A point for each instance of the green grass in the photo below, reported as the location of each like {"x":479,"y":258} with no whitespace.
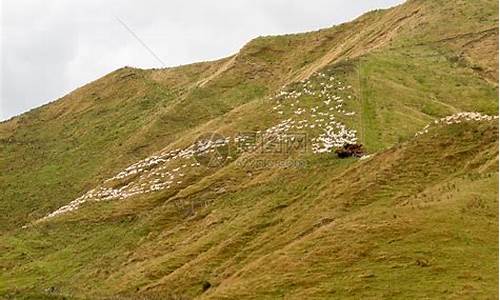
{"x":417,"y":220}
{"x":367,"y":218}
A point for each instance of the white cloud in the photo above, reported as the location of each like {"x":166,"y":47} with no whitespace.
{"x":51,"y":47}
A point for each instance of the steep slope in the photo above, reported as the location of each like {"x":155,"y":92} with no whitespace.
{"x":111,"y":185}
{"x":420,"y":217}
{"x":134,"y":113}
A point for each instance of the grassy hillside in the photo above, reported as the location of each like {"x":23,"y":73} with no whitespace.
{"x":417,"y":219}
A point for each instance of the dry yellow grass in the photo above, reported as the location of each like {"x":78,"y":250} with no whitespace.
{"x":419,"y":219}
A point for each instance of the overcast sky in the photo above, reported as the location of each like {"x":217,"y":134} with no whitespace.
{"x":50,"y":47}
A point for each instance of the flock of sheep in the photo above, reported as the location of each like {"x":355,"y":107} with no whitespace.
{"x":316,"y":104}
{"x":457,"y":119}
{"x":314,"y":107}
{"x":167,"y":169}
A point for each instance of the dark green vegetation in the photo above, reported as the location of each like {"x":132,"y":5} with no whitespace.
{"x":417,"y":220}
